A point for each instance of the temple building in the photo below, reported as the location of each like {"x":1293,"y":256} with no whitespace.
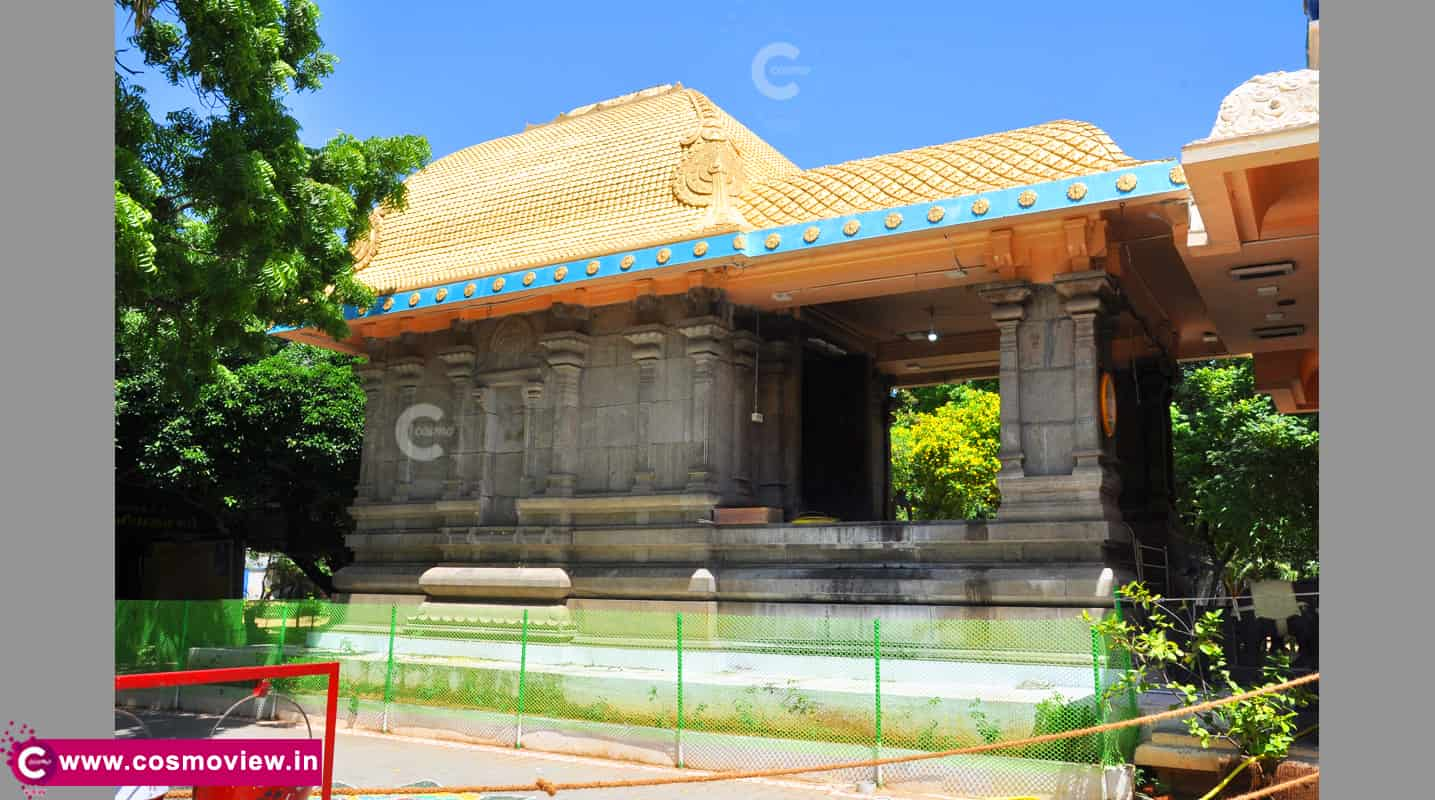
{"x":616,"y":357}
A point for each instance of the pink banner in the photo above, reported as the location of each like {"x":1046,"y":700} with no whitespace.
{"x":167,"y":762}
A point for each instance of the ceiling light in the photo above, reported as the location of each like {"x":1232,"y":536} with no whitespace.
{"x":932,"y":328}
{"x":1275,"y":316}
{"x":1256,"y":271}
{"x":1267,"y":291}
{"x":782,"y":297}
{"x":1210,"y":338}
{"x":1278,"y":331}
{"x":932,"y":336}
{"x":914,"y":366}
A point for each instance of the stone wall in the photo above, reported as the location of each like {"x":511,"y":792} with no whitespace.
{"x":573,"y":414}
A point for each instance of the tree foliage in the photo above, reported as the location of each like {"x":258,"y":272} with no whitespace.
{"x":1182,"y":652}
{"x":225,"y":222}
{"x":1247,"y":476}
{"x":268,"y":452}
{"x":927,"y":399}
{"x":945,"y":441}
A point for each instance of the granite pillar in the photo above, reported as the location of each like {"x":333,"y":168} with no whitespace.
{"x":459,"y":368}
{"x":705,"y":346}
{"x":647,"y":342}
{"x":408,"y":373}
{"x":567,"y":354}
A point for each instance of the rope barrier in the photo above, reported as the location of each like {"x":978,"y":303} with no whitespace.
{"x":551,"y":788}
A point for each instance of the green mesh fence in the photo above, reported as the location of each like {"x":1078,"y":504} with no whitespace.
{"x":704,"y":690}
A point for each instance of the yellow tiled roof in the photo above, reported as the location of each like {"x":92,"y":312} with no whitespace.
{"x":1047,"y":152}
{"x":597,"y":180}
{"x":667,"y":164}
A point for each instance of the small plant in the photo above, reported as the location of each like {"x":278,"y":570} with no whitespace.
{"x":1190,"y":660}
{"x":745,"y":709}
{"x":988,"y":730}
{"x":795,"y":702}
{"x":927,"y":736}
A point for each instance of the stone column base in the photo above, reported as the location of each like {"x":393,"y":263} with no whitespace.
{"x":1086,"y":494}
{"x":686,"y":507}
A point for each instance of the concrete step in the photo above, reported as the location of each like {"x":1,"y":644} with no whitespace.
{"x":1184,"y":752}
{"x":1171,"y":739}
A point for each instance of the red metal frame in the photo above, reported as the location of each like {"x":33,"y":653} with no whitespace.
{"x":329,"y":669}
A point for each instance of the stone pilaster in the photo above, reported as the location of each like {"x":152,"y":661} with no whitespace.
{"x":482,"y":435}
{"x":1086,"y":294}
{"x":567,"y":355}
{"x":705,"y":347}
{"x":408,"y":374}
{"x":371,"y":376}
{"x":878,"y":447}
{"x":459,"y":368}
{"x":789,"y":391}
{"x":768,"y":456}
{"x":744,"y":358}
{"x":531,"y":481}
{"x":1009,"y":309}
{"x":647,"y":344}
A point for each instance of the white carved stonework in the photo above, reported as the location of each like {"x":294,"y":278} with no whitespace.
{"x":1270,"y":102}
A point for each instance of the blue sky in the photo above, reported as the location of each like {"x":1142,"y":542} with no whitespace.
{"x":870,"y":78}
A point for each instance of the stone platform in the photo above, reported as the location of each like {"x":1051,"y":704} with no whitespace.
{"x":1056,"y":565}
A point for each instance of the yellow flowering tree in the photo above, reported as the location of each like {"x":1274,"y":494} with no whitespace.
{"x":944,"y":456}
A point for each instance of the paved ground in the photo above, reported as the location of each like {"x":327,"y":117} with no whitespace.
{"x":367,"y":759}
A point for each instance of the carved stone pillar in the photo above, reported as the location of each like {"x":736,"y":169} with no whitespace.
{"x":531,"y":481}
{"x":647,"y":344}
{"x":791,"y":394}
{"x":408,"y":373}
{"x":1086,"y":294}
{"x":769,"y":454}
{"x":878,"y":450}
{"x":1009,"y":308}
{"x":744,"y":357}
{"x":705,"y":348}
{"x":459,"y":362}
{"x":371,"y":376}
{"x":1056,"y":458}
{"x":567,"y":355}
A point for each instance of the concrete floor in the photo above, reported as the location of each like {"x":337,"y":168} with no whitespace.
{"x":370,"y":759}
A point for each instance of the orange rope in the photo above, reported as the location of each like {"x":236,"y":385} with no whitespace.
{"x":551,"y":788}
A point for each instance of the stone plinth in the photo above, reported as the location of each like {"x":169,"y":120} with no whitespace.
{"x":963,"y":563}
{"x":503,"y":583}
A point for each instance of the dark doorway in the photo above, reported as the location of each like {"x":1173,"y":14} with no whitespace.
{"x":837,"y":476}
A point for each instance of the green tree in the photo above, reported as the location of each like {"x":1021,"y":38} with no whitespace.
{"x":225,"y":223}
{"x":1246,"y":475}
{"x":928,"y":399}
{"x":1183,"y":654}
{"x":945,"y":441}
{"x":268,"y":452}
